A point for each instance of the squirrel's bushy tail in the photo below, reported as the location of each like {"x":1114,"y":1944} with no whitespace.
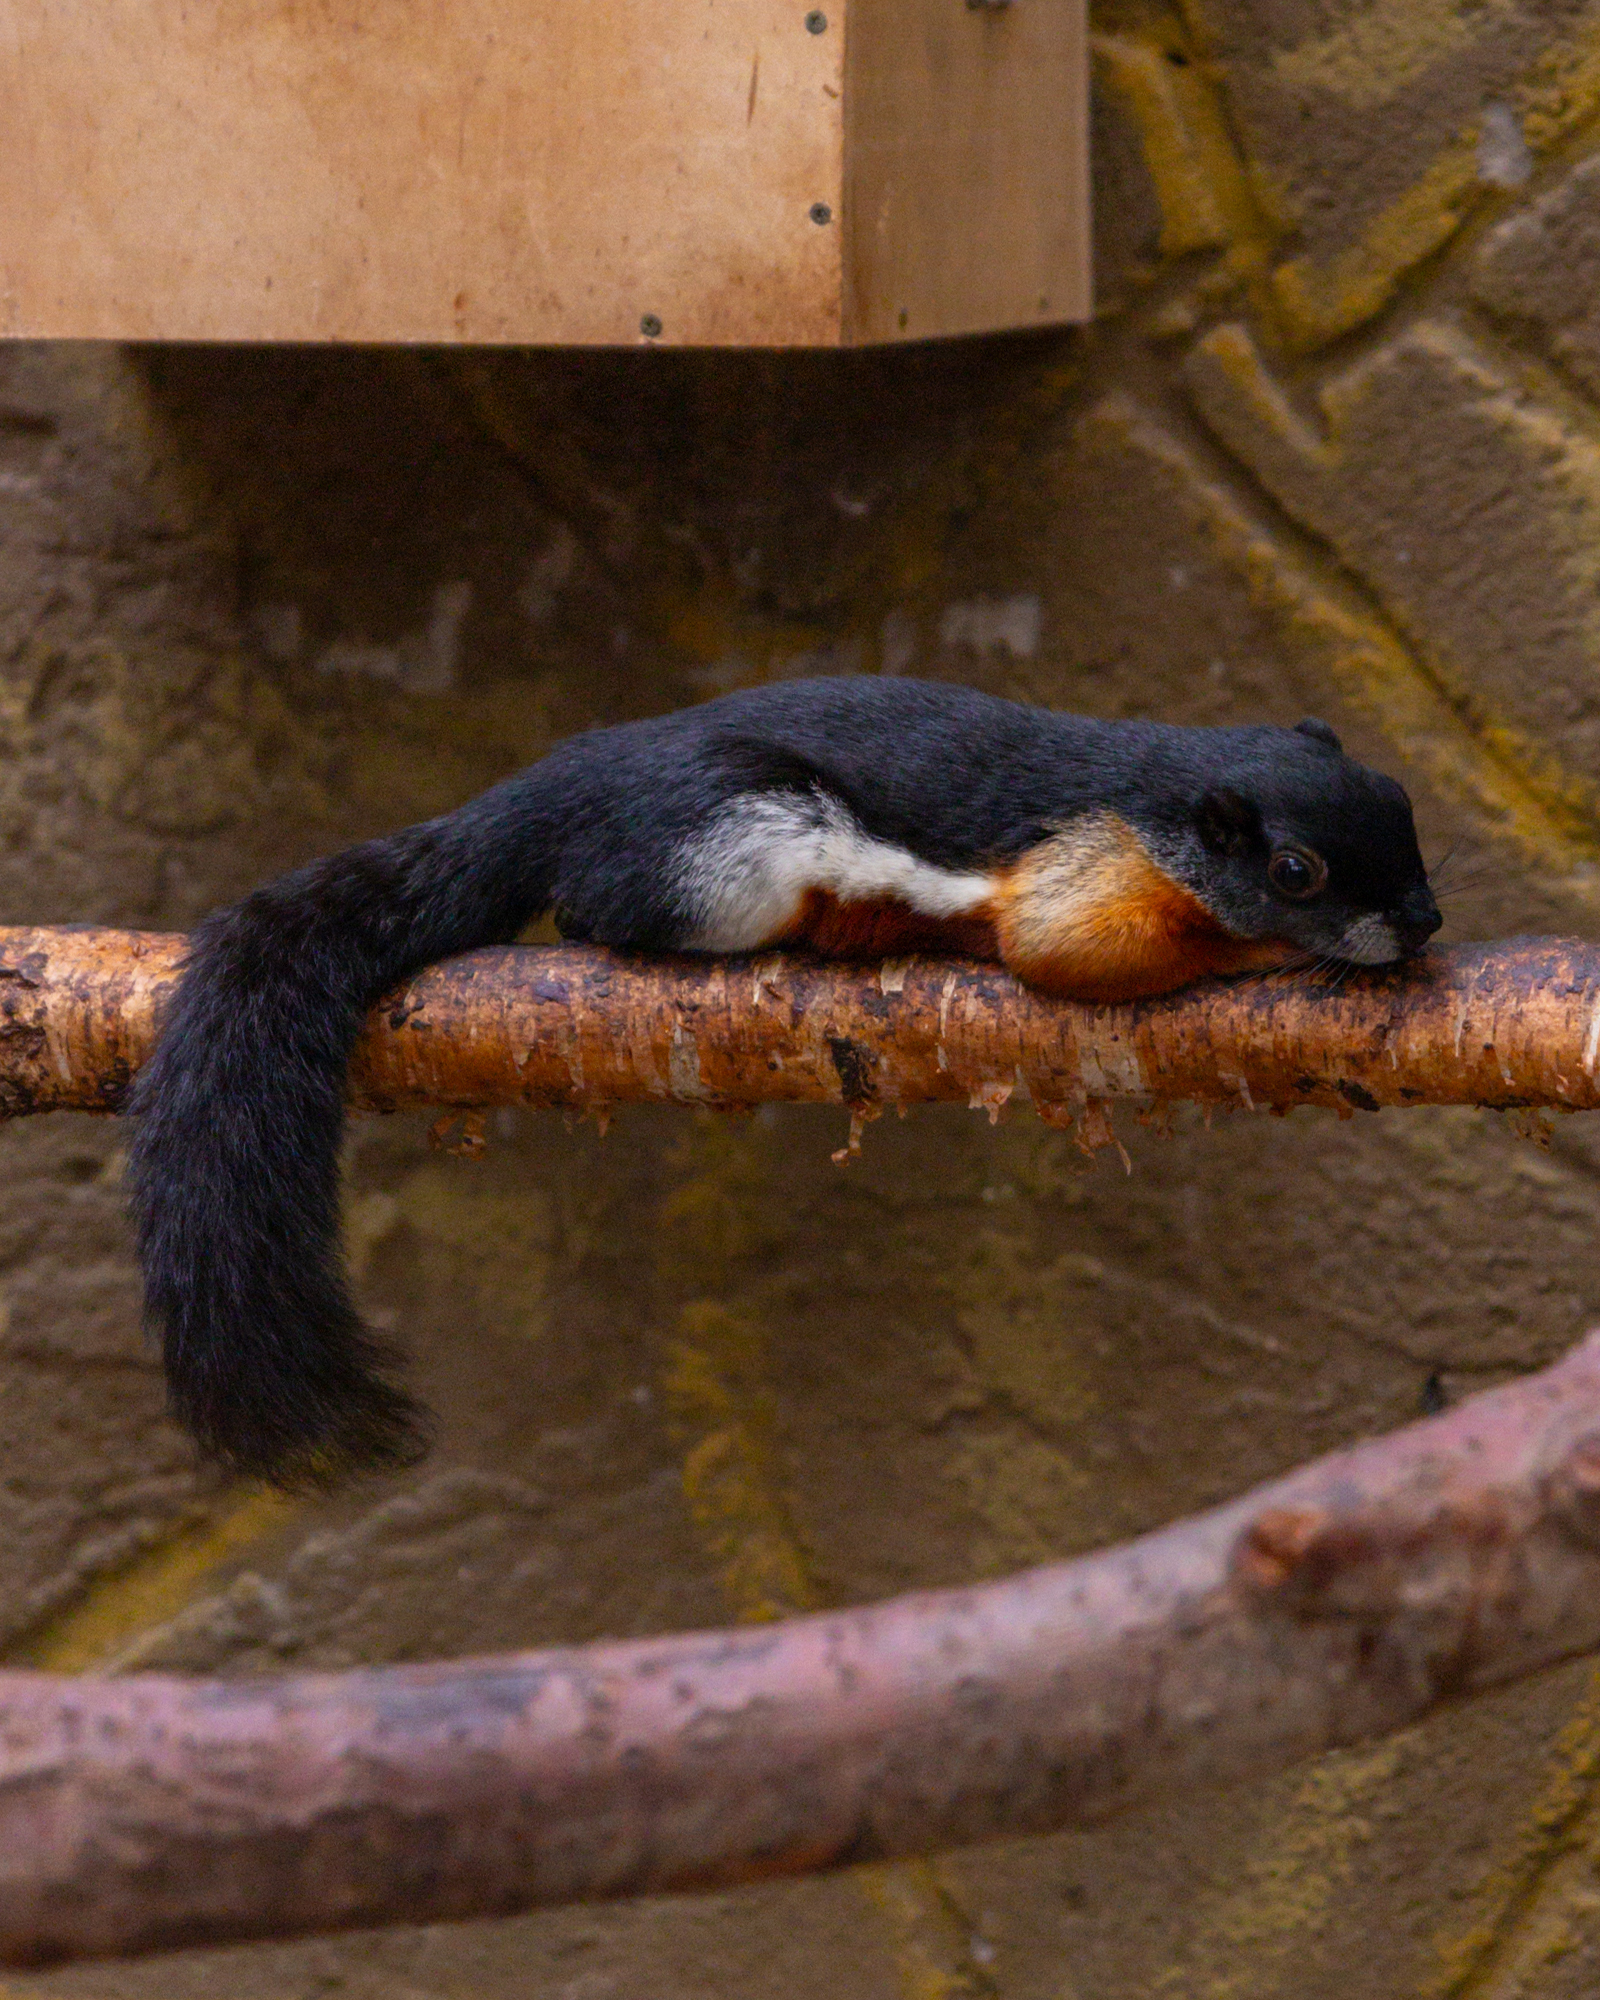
{"x":238,"y":1119}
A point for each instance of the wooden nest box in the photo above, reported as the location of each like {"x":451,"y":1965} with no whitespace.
{"x":688,"y":172}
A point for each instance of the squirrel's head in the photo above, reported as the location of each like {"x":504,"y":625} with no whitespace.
{"x":1291,"y":839}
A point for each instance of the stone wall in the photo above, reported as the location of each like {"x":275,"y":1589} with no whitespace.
{"x":1333,"y":447}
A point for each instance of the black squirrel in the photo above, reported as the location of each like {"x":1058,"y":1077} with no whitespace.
{"x":1099,"y":860}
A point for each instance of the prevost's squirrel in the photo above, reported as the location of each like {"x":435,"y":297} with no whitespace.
{"x":1099,"y":860}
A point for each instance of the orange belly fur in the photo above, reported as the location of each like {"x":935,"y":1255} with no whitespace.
{"x":886,"y":927}
{"x":1089,"y":915}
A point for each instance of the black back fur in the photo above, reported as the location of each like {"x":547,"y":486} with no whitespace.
{"x":239,"y":1113}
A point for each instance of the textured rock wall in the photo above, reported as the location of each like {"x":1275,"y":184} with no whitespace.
{"x":1333,"y":446}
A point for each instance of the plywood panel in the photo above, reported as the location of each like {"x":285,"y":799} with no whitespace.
{"x":966,"y":167}
{"x":486,"y":170}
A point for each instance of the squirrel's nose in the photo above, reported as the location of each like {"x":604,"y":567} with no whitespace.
{"x":1416,"y":917}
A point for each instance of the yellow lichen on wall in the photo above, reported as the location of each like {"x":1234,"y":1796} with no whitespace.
{"x":1529,"y":1909}
{"x":1205,"y":200}
{"x":93,"y":1634}
{"x":1249,"y":1943}
{"x":716,"y":1387}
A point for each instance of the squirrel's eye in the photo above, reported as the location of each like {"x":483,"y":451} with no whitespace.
{"x":1295,"y":873}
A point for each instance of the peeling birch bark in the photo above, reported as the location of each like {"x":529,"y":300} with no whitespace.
{"x":1513,"y":1025}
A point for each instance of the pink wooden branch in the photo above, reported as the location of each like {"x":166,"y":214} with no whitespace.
{"x":1342,"y":1602}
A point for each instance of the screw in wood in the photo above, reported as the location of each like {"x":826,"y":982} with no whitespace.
{"x":816,"y":22}
{"x":650,"y":326}
{"x":821,"y":213}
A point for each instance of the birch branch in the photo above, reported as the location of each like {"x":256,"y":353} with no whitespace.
{"x":1509,"y":1025}
{"x":1343,"y":1602}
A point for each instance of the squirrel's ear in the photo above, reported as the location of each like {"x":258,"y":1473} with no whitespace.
{"x":1319,"y":732}
{"x":1228,"y":822}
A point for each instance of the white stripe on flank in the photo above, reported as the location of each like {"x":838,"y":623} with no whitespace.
{"x":746,"y":876}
